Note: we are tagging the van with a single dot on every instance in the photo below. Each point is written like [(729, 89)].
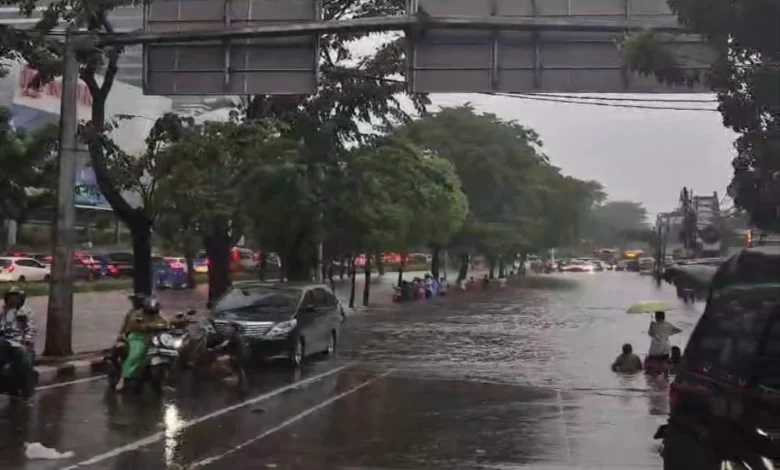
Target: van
[(725, 399)]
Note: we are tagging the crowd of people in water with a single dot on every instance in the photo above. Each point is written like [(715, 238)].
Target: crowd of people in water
[(429, 286), (662, 358)]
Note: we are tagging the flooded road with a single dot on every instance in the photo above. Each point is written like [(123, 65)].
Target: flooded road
[(502, 380)]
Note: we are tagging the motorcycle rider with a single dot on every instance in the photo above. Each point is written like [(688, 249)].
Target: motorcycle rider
[(145, 316), (17, 323)]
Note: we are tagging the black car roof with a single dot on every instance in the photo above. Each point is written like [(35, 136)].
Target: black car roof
[(293, 285), (758, 265)]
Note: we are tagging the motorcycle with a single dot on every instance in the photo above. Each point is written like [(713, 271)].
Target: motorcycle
[(162, 359), (9, 383), (209, 351)]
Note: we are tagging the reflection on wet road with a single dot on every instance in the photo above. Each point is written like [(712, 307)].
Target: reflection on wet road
[(512, 380)]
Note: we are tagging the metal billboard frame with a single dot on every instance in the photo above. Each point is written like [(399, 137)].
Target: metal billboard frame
[(581, 58), (230, 66)]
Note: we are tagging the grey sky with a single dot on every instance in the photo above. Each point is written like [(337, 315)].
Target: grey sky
[(638, 155)]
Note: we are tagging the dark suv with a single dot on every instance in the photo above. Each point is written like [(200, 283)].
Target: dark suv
[(725, 400)]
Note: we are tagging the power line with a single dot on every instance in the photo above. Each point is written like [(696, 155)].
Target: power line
[(531, 97), (602, 98)]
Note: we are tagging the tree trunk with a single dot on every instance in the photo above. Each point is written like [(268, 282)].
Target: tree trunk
[(218, 252), (352, 281), (501, 267), (296, 269), (331, 281), (492, 267), (367, 285), (463, 271), (141, 235), (262, 265), (380, 265), (435, 261), (188, 258), (343, 268), (401, 269)]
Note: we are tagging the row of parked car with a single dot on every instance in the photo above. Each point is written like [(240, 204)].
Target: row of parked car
[(36, 267), (87, 266)]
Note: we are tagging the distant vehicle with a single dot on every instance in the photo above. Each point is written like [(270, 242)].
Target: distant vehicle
[(177, 262), (166, 276), (621, 265), (289, 320), (724, 399), (123, 262), (579, 266), (16, 269)]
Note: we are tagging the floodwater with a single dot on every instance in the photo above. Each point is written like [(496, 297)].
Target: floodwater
[(488, 380)]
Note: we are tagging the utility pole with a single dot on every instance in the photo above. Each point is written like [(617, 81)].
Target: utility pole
[(59, 318)]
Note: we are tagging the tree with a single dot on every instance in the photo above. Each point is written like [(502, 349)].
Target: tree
[(510, 185), (612, 223), (29, 177), (354, 94), (206, 177), (390, 194), (744, 75), (44, 52)]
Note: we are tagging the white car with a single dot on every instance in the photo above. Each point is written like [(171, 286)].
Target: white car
[(16, 269)]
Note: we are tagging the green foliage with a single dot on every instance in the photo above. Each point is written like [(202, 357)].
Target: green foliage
[(746, 41), (29, 168), (616, 222), (517, 200)]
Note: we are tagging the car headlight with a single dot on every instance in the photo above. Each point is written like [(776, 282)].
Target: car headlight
[(177, 343), (283, 328), (155, 341), (167, 340)]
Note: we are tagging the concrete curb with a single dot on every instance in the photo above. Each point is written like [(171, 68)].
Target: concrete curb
[(77, 368)]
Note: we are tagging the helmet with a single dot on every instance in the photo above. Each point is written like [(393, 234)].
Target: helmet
[(150, 305), (15, 290), (137, 299)]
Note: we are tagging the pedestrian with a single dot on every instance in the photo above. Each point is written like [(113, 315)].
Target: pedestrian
[(627, 362), (658, 356)]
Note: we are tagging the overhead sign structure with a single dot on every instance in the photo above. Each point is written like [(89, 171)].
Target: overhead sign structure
[(570, 60), (274, 66)]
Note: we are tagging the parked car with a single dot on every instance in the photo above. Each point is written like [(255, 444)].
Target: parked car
[(123, 262), (242, 259), (289, 320), (177, 262), (724, 405), (14, 269), (167, 276)]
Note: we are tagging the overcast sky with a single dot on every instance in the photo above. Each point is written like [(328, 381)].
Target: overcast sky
[(639, 155)]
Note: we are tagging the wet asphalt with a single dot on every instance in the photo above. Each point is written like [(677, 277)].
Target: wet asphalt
[(499, 380)]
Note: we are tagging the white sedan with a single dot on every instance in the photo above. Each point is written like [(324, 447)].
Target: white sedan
[(16, 269)]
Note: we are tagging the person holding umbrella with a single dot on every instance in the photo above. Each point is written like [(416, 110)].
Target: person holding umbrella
[(658, 356)]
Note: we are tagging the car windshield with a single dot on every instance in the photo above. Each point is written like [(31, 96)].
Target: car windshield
[(5, 262), (253, 302)]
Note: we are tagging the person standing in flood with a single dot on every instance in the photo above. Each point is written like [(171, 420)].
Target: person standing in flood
[(658, 356)]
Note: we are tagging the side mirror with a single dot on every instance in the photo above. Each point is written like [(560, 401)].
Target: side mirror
[(179, 316), (209, 304), (192, 312)]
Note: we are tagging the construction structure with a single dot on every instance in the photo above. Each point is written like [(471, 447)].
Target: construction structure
[(696, 227)]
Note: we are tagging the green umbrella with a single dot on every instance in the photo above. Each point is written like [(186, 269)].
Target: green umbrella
[(650, 306)]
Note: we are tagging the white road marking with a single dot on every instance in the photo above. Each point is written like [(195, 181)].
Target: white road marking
[(564, 428), (288, 422), (156, 437), (72, 382)]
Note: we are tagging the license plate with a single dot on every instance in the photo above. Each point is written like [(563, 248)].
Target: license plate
[(157, 360)]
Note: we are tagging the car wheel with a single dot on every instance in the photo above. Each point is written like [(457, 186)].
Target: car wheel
[(297, 353), (22, 279), (46, 278), (331, 351)]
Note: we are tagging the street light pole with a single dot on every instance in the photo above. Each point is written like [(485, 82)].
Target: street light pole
[(59, 319)]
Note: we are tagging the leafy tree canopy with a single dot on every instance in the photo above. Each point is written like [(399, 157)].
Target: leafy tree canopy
[(746, 42)]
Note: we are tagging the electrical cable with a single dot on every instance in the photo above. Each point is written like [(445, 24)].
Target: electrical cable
[(593, 103)]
